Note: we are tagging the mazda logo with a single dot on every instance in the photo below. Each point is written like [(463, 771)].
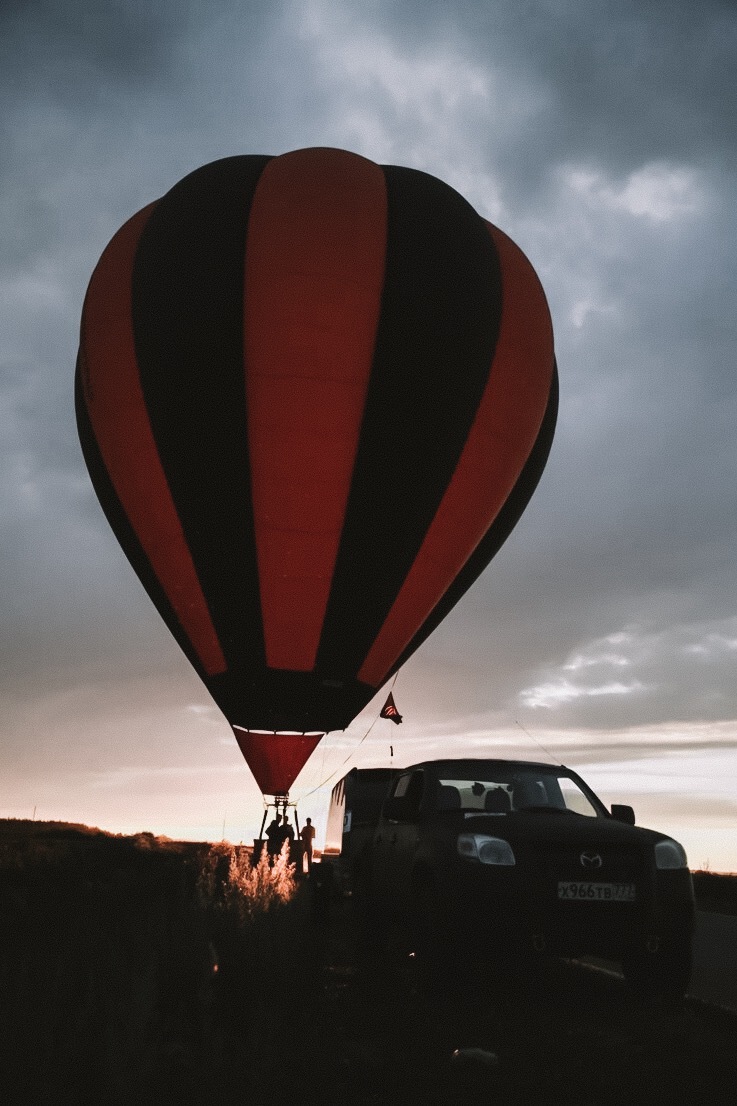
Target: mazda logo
[(591, 860)]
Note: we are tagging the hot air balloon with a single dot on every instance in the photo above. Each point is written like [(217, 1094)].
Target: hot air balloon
[(314, 395)]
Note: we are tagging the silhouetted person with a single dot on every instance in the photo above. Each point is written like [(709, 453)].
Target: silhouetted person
[(307, 836), (286, 833), (274, 836)]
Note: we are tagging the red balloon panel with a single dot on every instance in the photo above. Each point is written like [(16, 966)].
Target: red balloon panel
[(310, 315), (275, 759)]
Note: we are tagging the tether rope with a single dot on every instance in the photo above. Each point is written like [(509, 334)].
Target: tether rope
[(351, 754)]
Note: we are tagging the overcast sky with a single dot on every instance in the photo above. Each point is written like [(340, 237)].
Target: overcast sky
[(601, 137)]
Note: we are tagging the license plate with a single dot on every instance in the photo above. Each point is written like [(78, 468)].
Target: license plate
[(596, 892)]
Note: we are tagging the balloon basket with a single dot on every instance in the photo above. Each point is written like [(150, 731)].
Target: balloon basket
[(280, 805)]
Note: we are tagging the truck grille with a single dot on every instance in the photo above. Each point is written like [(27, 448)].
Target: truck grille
[(618, 864)]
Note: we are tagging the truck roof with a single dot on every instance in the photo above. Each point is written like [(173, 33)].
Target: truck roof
[(470, 763)]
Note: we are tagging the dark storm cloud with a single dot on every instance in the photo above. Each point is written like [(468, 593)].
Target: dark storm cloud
[(628, 137), (616, 83), (98, 100), (61, 50), (64, 71)]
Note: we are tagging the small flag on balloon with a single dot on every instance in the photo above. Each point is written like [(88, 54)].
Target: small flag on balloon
[(389, 710)]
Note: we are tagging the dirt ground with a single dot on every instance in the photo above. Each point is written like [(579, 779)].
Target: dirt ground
[(379, 1033)]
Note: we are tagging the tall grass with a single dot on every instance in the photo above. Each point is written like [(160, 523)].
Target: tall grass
[(139, 970), (229, 876)]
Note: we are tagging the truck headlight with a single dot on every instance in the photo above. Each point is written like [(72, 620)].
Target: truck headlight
[(669, 854), (487, 850)]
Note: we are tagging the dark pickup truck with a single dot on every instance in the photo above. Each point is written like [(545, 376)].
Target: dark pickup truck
[(515, 855)]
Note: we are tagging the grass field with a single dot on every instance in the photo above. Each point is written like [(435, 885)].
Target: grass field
[(135, 969), (142, 970)]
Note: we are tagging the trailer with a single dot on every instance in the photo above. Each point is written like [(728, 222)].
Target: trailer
[(355, 806)]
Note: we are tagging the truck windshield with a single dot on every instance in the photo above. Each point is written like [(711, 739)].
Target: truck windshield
[(544, 792)]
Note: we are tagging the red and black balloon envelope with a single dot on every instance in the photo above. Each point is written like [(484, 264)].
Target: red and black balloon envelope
[(314, 395)]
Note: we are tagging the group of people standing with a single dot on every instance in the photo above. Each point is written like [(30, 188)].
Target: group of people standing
[(279, 830)]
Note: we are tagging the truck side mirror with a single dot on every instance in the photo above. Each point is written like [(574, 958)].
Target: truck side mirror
[(623, 813)]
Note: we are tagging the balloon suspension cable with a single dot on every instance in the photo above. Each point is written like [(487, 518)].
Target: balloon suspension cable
[(353, 751), (538, 743), (280, 802)]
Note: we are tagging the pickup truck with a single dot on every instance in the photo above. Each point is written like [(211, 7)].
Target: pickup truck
[(521, 857)]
